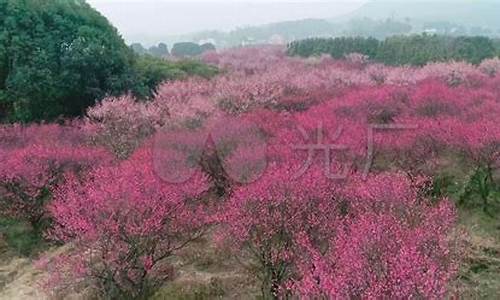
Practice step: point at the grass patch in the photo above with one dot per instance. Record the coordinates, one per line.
(480, 270)
(20, 237)
(479, 274)
(191, 291)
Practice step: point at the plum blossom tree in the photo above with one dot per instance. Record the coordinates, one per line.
(33, 162)
(262, 218)
(379, 255)
(123, 222)
(122, 124)
(490, 66)
(312, 238)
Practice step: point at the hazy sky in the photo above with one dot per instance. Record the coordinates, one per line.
(146, 20)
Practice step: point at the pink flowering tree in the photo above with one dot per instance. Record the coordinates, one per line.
(261, 220)
(392, 243)
(479, 142)
(312, 238)
(357, 59)
(490, 67)
(32, 166)
(122, 124)
(229, 150)
(379, 255)
(123, 222)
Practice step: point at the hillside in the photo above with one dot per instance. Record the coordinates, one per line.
(468, 13)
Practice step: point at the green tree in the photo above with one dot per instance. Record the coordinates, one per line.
(183, 49)
(138, 48)
(159, 51)
(474, 49)
(57, 57)
(208, 47)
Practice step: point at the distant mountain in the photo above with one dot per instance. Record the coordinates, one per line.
(478, 13)
(291, 29)
(279, 32)
(377, 18)
(283, 32)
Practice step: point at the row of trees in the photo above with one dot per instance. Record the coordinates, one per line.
(59, 57)
(402, 50)
(157, 51)
(182, 49)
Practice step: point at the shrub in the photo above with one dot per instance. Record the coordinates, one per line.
(229, 150)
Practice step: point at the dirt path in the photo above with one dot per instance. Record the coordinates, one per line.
(17, 277)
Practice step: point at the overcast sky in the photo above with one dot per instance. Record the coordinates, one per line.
(143, 20)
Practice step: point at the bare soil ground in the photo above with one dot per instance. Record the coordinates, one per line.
(17, 276)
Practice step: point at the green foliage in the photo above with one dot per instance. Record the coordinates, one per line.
(443, 185)
(159, 51)
(138, 48)
(336, 47)
(207, 47)
(481, 190)
(151, 71)
(20, 237)
(402, 50)
(421, 49)
(194, 67)
(496, 44)
(186, 49)
(57, 58)
(473, 49)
